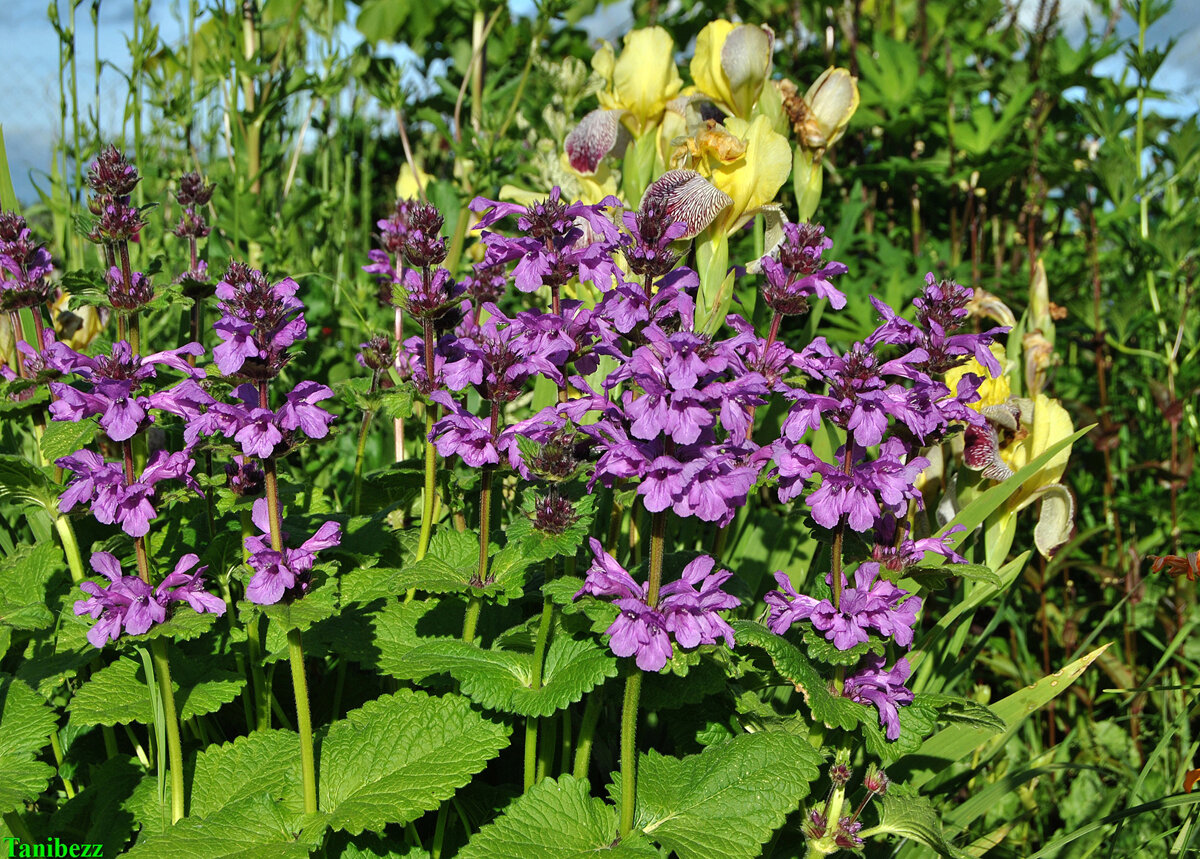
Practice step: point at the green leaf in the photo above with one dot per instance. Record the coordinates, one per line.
(255, 827)
(63, 438)
(453, 561)
(183, 625)
(726, 801)
(399, 756)
(794, 666)
(265, 762)
(913, 817)
(94, 815)
(117, 694)
(820, 648)
(23, 577)
(952, 744)
(26, 724)
(502, 680)
(556, 819)
(25, 484)
(8, 197)
(396, 636)
(319, 603)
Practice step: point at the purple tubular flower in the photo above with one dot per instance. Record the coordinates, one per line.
(301, 412)
(259, 322)
(25, 265)
(561, 241)
(460, 432)
(641, 632)
(884, 689)
(102, 484)
(795, 270)
(786, 605)
(287, 572)
(131, 605)
(691, 603)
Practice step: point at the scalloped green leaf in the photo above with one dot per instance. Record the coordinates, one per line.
(556, 819)
(914, 817)
(252, 828)
(26, 724)
(453, 561)
(63, 438)
(541, 545)
(117, 694)
(503, 680)
(400, 755)
(795, 667)
(725, 802)
(396, 636)
(23, 577)
(265, 762)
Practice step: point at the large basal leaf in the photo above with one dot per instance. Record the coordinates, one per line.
(26, 724)
(265, 762)
(795, 667)
(399, 756)
(398, 633)
(725, 802)
(117, 694)
(556, 819)
(952, 744)
(23, 577)
(252, 828)
(503, 680)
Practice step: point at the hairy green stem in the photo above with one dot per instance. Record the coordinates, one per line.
(56, 747)
(431, 412)
(539, 657)
(162, 672)
(363, 430)
(587, 733)
(303, 721)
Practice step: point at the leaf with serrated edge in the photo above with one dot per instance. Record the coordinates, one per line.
(912, 817)
(25, 727)
(255, 827)
(63, 438)
(23, 577)
(263, 762)
(556, 819)
(794, 666)
(725, 802)
(503, 680)
(399, 756)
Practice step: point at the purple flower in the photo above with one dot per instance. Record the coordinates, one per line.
(885, 689)
(286, 572)
(640, 631)
(795, 270)
(25, 265)
(131, 605)
(102, 484)
(872, 603)
(460, 432)
(561, 241)
(300, 411)
(691, 603)
(259, 322)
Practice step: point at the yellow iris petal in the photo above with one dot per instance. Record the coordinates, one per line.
(754, 179)
(643, 79)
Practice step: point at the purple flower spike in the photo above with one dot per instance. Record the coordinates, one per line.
(690, 605)
(287, 572)
(131, 605)
(795, 271)
(259, 322)
(884, 689)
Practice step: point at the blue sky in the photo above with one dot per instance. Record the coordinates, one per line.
(29, 104)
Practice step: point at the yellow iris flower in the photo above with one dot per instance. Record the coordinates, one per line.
(732, 63)
(642, 80)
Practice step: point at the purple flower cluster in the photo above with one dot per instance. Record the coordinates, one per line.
(889, 407)
(261, 432)
(284, 573)
(115, 383)
(115, 500)
(685, 615)
(112, 180)
(681, 425)
(561, 240)
(25, 266)
(259, 322)
(128, 604)
(796, 271)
